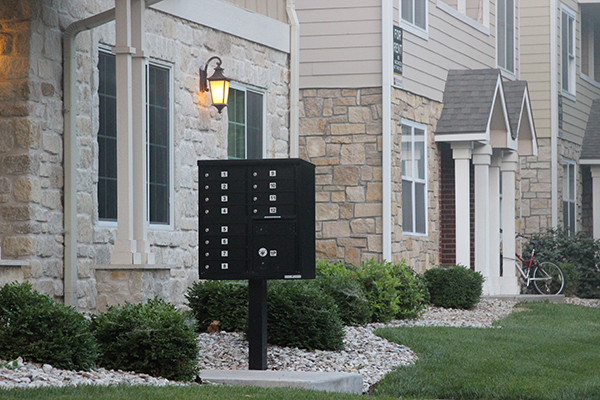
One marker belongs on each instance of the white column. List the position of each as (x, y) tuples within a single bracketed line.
[(508, 282), (481, 160), (595, 169), (461, 152), (494, 228), (125, 247), (140, 234)]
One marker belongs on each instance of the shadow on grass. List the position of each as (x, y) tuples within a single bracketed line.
[(550, 352)]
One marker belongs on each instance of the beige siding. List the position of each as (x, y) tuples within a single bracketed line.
[(271, 8), (340, 43), (452, 43), (535, 60)]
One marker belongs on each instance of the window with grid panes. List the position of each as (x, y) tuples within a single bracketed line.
[(245, 130), (107, 137), (414, 178), (568, 50)]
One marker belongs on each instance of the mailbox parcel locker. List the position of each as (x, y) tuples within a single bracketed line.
[(257, 219)]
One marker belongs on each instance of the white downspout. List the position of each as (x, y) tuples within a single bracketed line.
[(71, 156), (387, 22), (554, 114), (294, 77)]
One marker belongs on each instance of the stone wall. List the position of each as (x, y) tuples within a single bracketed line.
[(420, 251), (341, 133), (31, 156)]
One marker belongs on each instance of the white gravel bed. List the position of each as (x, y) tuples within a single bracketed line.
[(364, 352)]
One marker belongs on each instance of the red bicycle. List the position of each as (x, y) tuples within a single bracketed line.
[(546, 276)]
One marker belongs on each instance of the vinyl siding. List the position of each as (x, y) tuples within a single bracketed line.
[(340, 43), (535, 60), (271, 8)]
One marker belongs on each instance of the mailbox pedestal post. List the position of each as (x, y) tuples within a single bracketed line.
[(257, 324)]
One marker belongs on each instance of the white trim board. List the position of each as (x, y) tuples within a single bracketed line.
[(229, 18)]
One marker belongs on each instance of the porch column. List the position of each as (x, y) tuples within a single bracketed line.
[(508, 282), (482, 156), (494, 229), (461, 152), (125, 246), (140, 234), (595, 169)]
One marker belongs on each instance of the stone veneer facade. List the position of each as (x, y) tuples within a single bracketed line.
[(341, 133), (31, 142)]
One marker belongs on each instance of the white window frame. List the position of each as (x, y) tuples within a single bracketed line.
[(570, 91), (514, 47), (262, 92), (411, 27), (415, 125), (160, 226), (568, 165)]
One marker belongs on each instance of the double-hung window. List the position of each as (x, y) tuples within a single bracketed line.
[(569, 196), (158, 140), (590, 43), (245, 109), (414, 12), (506, 34), (414, 178), (567, 33), (107, 137), (159, 144)]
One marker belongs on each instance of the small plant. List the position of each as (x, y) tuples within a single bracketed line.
[(395, 291), (153, 338), (224, 301), (454, 287), (301, 315), (39, 329)]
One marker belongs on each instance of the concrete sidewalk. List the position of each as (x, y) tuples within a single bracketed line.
[(328, 381), (530, 298)]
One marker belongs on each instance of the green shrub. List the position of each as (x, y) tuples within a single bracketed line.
[(37, 328), (454, 287), (394, 291), (301, 315), (224, 301), (153, 338), (560, 246), (349, 296), (572, 277)]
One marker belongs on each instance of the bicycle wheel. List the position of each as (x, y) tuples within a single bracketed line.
[(548, 278)]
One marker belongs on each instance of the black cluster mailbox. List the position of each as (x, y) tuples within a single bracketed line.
[(257, 219)]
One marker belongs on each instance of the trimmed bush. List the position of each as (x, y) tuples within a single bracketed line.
[(454, 287), (560, 246), (153, 338), (39, 329), (394, 291), (349, 296), (301, 315), (224, 301)]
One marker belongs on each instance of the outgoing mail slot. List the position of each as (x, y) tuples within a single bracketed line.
[(274, 228)]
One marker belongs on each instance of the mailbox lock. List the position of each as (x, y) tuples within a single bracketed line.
[(207, 175), (255, 174), (263, 252)]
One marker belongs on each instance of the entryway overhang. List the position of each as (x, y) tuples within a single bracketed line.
[(488, 124)]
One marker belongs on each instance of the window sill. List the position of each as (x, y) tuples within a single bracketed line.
[(415, 30), (461, 17)]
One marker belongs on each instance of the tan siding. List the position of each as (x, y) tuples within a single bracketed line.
[(340, 43), (271, 8), (535, 60)]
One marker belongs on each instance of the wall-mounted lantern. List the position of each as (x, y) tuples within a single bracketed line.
[(217, 84)]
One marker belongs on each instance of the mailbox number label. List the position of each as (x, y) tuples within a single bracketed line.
[(224, 241), (273, 197), (224, 186), (224, 199), (273, 172), (224, 265), (224, 174), (272, 185), (224, 229)]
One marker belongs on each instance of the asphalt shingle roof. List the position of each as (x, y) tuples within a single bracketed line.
[(514, 91), (591, 140), (468, 99)]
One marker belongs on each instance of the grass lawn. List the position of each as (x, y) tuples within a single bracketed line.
[(192, 392), (547, 351)]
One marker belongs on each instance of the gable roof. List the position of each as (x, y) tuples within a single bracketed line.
[(522, 126), (468, 100), (590, 147), (514, 92)]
